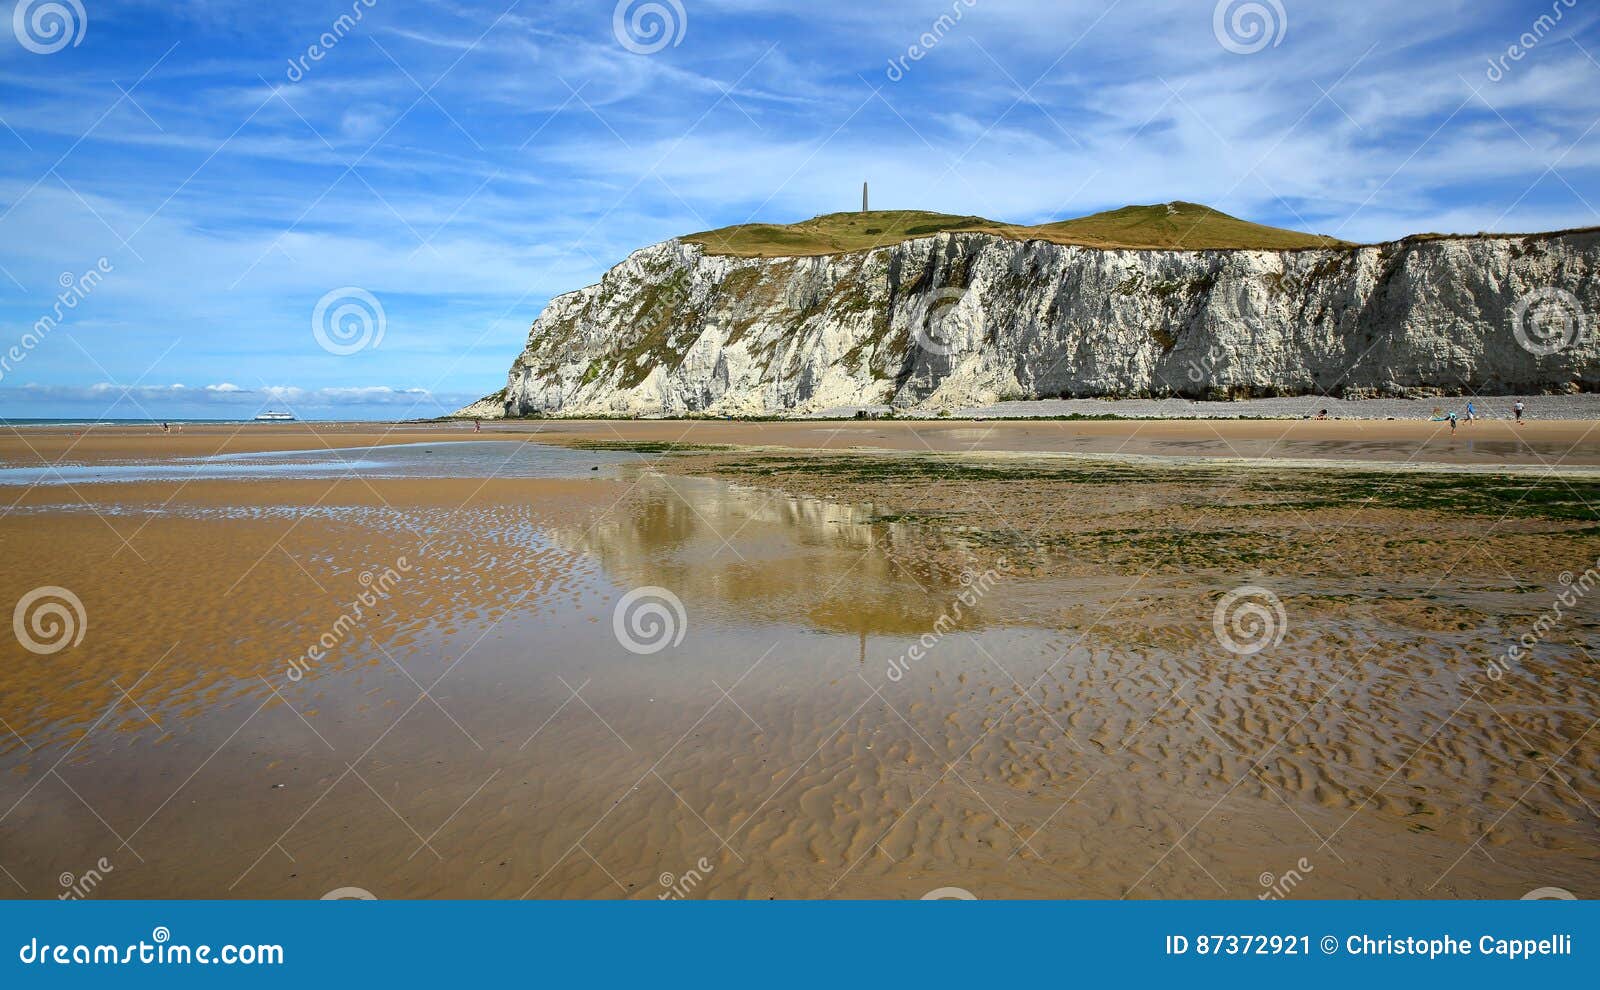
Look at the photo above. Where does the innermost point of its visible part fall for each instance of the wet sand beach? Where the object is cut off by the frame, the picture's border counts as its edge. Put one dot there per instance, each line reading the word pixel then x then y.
pixel 803 660
pixel 1534 444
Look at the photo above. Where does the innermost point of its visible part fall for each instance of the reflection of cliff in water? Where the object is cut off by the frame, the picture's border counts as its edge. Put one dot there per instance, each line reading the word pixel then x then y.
pixel 766 556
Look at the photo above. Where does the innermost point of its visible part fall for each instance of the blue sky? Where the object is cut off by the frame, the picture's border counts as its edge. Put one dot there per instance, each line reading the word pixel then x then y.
pixel 209 184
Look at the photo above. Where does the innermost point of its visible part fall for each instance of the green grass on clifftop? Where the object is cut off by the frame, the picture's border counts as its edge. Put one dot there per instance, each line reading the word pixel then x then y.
pixel 1180 226
pixel 1165 226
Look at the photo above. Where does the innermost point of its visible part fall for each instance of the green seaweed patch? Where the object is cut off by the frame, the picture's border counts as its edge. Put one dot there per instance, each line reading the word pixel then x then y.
pixel 913 517
pixel 640 446
pixel 1497 495
pixel 1492 495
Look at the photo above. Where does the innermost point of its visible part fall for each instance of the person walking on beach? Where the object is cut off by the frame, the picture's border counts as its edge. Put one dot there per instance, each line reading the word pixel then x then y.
pixel 1517 408
pixel 1472 411
pixel 477 426
pixel 1452 422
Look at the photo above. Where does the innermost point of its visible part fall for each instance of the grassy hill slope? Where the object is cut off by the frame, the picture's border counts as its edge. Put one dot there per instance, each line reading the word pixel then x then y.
pixel 1165 226
pixel 1178 226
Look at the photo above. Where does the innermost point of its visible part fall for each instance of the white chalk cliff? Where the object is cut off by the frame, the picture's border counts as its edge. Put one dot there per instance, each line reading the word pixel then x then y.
pixel 961 319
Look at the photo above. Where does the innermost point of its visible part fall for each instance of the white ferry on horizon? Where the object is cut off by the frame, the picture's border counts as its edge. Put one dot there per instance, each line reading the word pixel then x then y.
pixel 275 417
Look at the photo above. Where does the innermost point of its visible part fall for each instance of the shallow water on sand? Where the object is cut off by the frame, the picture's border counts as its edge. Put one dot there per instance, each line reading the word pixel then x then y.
pixel 454 459
pixel 668 686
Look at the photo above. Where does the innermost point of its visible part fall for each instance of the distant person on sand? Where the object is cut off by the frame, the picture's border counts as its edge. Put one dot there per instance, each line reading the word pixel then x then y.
pixel 1472 411
pixel 1518 410
pixel 1452 422
pixel 165 428
pixel 1323 414
pixel 477 427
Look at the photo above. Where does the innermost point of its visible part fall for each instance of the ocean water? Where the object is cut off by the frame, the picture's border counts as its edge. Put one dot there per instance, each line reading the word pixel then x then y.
pixel 90 421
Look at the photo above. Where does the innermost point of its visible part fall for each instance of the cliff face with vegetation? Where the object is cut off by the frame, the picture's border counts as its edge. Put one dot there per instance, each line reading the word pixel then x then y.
pixel 965 318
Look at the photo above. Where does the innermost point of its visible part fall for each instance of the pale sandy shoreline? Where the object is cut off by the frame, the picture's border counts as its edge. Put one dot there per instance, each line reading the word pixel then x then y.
pixel 1579 406
pixel 1485 445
